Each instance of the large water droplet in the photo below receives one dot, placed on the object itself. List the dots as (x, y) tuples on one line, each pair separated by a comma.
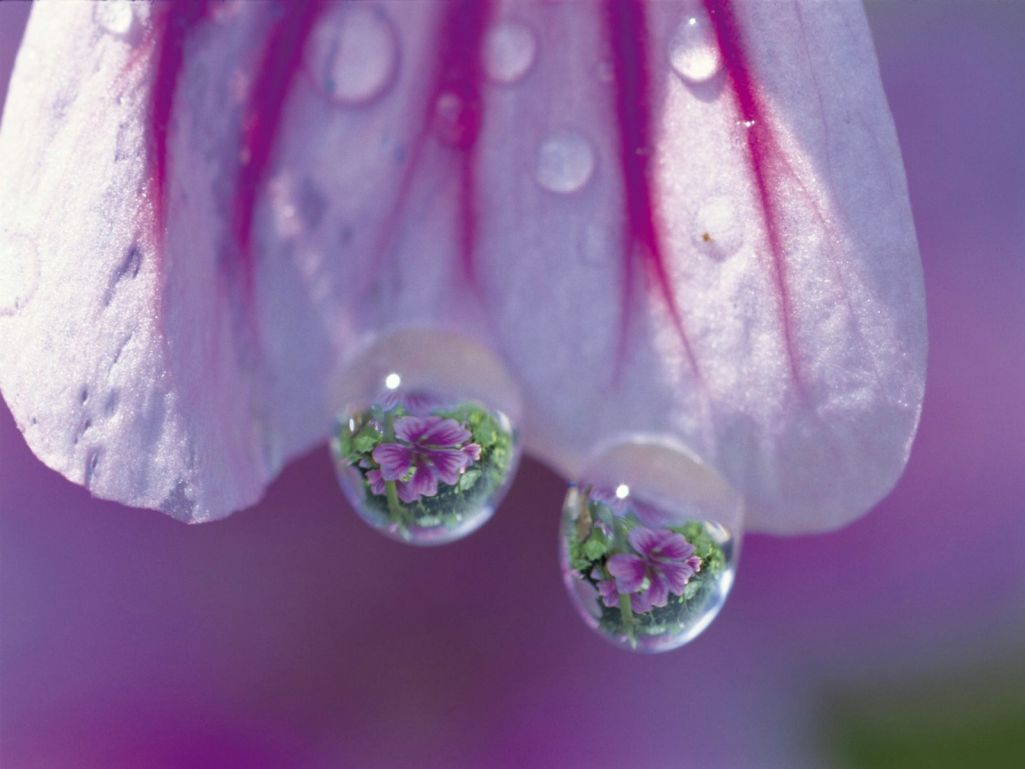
[(644, 578), (115, 17), (648, 544), (353, 53), (19, 275), (693, 52), (718, 229), (509, 50), (421, 467), (565, 162)]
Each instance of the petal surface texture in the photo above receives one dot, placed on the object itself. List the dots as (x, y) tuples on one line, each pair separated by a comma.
[(675, 219)]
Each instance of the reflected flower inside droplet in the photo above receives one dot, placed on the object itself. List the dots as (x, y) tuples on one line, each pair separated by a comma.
[(421, 468), (643, 578)]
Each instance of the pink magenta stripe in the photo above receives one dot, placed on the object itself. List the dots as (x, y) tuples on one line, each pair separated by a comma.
[(762, 148), (280, 63), (174, 22), (627, 32)]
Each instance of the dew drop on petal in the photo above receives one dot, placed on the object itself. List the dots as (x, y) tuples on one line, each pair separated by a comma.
[(353, 53), (647, 576), (454, 119), (693, 53), (509, 50), (450, 460), (19, 275), (115, 17), (718, 230), (565, 162)]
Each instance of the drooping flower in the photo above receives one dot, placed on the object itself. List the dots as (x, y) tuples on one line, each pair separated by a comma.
[(663, 563), (427, 450), (644, 199)]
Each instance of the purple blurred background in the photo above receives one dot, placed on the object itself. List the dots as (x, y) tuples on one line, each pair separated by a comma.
[(291, 635)]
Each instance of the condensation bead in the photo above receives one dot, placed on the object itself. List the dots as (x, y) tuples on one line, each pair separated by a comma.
[(565, 162), (115, 17), (693, 52), (509, 51), (353, 53), (643, 577), (424, 467)]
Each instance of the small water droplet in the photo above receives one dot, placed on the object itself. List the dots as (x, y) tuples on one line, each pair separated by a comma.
[(423, 468), (353, 53), (747, 123), (565, 162), (718, 229), (455, 121), (693, 52), (115, 17), (19, 275), (509, 51), (644, 578)]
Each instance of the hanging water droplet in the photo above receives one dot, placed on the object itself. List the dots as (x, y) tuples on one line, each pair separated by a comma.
[(565, 162), (718, 229), (423, 468), (509, 51), (114, 16), (19, 275), (649, 576), (353, 53), (645, 579), (693, 52)]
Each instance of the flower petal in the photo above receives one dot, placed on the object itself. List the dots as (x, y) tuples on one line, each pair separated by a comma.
[(394, 459), (628, 570), (447, 464), (152, 354)]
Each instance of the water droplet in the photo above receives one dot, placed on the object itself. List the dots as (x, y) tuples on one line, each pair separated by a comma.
[(693, 52), (455, 120), (115, 17), (353, 53), (423, 468), (509, 50), (718, 229), (565, 162), (19, 275), (648, 544), (747, 123), (645, 579)]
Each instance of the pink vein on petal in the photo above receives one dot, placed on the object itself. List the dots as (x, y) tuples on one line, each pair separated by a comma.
[(627, 32), (280, 63), (761, 146), (457, 76), (172, 26)]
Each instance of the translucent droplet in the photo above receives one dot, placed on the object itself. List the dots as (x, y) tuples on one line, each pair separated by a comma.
[(114, 16), (509, 51), (19, 275), (646, 575), (693, 52), (565, 162), (423, 468), (455, 119), (645, 579), (353, 53), (718, 229)]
